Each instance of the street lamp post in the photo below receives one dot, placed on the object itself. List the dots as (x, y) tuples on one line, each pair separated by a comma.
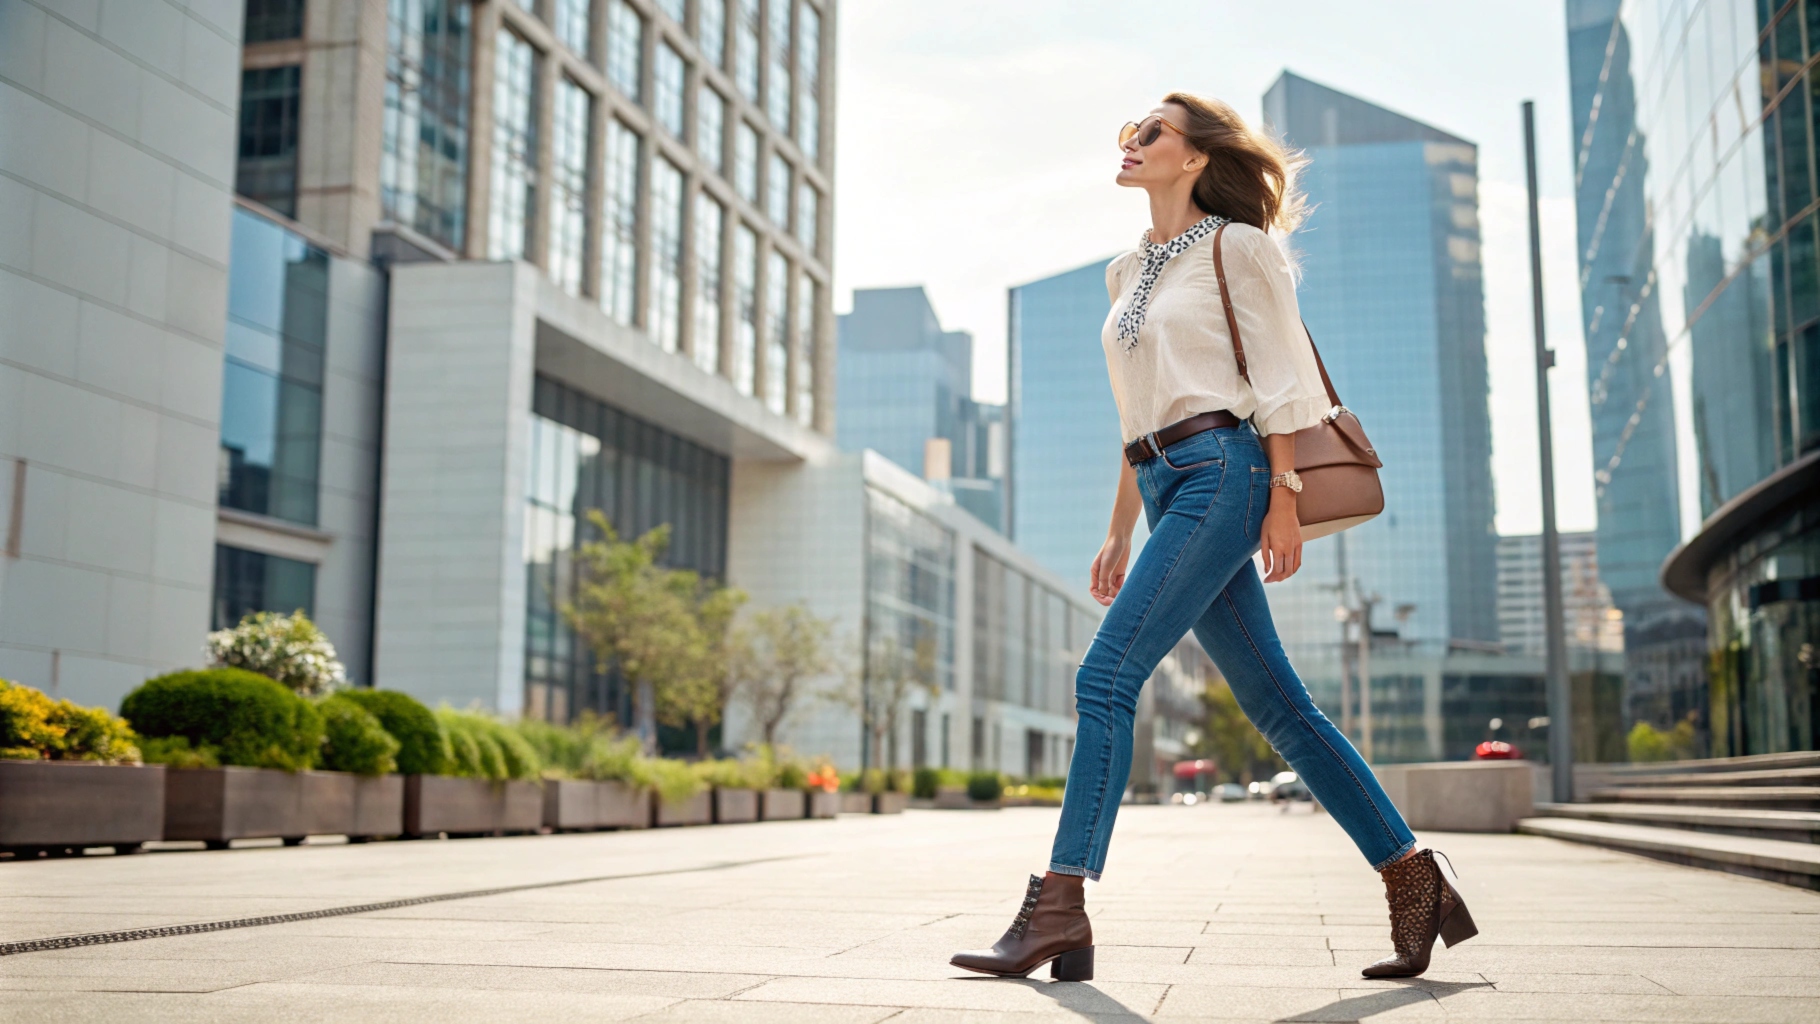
[(1560, 695)]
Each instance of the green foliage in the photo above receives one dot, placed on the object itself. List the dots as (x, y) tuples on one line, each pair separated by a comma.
[(773, 657), (176, 752), (354, 740), (1230, 740), (926, 783), (34, 726), (660, 626), (985, 786), (1647, 743), (249, 719), (288, 648), (486, 748), (728, 773), (777, 767), (673, 781), (565, 750), (423, 744)]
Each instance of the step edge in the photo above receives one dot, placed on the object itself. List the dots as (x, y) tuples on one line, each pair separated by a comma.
[(1693, 844)]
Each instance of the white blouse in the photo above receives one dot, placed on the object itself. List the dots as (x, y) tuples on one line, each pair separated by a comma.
[(1182, 361)]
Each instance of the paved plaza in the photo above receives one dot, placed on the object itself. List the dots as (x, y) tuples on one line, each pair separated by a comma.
[(1222, 913)]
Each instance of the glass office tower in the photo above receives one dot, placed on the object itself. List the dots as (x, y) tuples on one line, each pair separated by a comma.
[(1693, 142), (1391, 294)]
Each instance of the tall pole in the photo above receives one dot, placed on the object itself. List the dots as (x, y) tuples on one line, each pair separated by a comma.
[(1560, 693), (1366, 604), (1345, 627)]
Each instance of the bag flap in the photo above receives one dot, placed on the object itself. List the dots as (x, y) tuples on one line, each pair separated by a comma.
[(1339, 441)]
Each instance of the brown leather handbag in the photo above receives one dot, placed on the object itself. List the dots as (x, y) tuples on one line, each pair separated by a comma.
[(1334, 458)]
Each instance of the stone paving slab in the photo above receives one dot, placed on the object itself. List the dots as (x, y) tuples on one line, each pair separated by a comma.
[(1221, 913)]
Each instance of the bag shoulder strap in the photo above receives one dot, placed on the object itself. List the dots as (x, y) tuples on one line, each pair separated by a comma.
[(1232, 325)]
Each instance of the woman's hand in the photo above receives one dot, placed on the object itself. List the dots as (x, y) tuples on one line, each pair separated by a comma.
[(1282, 537), (1108, 572)]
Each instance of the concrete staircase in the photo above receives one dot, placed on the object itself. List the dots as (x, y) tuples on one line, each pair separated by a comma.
[(1757, 816)]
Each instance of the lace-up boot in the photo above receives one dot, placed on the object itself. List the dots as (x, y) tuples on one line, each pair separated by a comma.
[(1424, 903), (1050, 928)]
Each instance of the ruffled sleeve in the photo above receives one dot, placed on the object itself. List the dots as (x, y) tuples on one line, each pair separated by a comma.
[(1285, 381)]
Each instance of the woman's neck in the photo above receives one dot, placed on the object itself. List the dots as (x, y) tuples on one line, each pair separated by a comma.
[(1172, 213)]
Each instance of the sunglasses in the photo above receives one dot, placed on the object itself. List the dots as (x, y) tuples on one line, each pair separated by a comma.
[(1147, 130)]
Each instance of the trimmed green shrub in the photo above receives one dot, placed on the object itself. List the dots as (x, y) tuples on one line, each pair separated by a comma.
[(423, 744), (249, 719), (486, 748), (354, 741), (985, 786), (925, 784), (176, 752), (35, 726)]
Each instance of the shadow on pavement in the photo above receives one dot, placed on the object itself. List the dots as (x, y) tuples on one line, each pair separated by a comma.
[(1357, 1008), (1076, 996)]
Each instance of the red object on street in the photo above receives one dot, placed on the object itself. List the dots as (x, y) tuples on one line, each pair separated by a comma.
[(1496, 750), (1189, 769)]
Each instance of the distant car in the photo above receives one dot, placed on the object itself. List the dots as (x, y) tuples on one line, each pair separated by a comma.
[(1260, 790), (1288, 786), (1229, 792), (1496, 750)]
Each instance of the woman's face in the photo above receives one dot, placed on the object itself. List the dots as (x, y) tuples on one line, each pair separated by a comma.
[(1167, 159)]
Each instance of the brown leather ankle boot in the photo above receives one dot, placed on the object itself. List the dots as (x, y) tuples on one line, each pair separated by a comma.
[(1424, 903), (1051, 928)]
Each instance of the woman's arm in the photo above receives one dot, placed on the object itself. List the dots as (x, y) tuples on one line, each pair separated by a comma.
[(1282, 535), (1108, 572)]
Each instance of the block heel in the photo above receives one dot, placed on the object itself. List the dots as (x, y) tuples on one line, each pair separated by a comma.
[(1458, 927), (1074, 965)]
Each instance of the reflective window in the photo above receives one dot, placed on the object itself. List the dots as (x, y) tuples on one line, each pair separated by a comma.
[(808, 80), (514, 196), (909, 588), (251, 581), (667, 98), (626, 50), (666, 254), (574, 24), (777, 192), (271, 393), (807, 296), (745, 162), (619, 223), (267, 167), (709, 216), (569, 184), (1022, 652), (676, 9), (269, 20), (711, 33), (777, 332), (423, 176), (745, 47), (777, 77), (710, 128), (745, 308), (585, 454), (808, 209)]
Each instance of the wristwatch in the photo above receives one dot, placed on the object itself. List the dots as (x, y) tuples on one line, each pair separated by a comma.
[(1290, 480)]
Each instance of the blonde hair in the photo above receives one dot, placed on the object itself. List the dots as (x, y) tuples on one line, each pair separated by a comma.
[(1250, 177)]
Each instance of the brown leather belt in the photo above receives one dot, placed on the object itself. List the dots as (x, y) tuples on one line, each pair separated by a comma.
[(1152, 444)]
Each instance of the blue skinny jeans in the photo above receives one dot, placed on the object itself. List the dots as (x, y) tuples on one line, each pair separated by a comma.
[(1205, 499)]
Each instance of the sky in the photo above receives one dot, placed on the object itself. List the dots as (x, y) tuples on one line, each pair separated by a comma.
[(976, 144)]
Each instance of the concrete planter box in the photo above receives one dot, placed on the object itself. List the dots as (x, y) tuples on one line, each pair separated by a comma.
[(444, 803), (732, 806), (217, 805), (1461, 796), (782, 805), (585, 804), (697, 810), (855, 803), (79, 803), (890, 803), (823, 804)]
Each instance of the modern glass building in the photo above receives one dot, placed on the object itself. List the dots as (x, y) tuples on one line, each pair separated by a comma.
[(1695, 167), (904, 383), (1391, 294), (1061, 412)]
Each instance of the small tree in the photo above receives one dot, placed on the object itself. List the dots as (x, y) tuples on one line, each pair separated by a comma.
[(1229, 738), (663, 627), (288, 648), (880, 692), (775, 655)]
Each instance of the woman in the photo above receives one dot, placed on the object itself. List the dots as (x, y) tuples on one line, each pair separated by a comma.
[(1215, 489)]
